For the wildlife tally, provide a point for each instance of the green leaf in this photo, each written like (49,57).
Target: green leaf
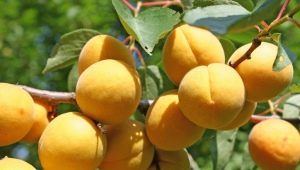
(248,163)
(204,3)
(67,50)
(73,77)
(228,47)
(291,108)
(149,26)
(282,59)
(222,147)
(264,9)
(248,4)
(150,88)
(230,18)
(295,88)
(217,18)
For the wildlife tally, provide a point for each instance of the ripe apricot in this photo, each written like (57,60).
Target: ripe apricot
(274,144)
(165,121)
(128,147)
(171,160)
(14,164)
(71,141)
(211,96)
(261,82)
(16,113)
(103,47)
(40,122)
(187,47)
(108,91)
(243,117)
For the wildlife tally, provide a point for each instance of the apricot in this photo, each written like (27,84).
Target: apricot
(71,141)
(14,164)
(108,91)
(243,117)
(187,47)
(171,160)
(16,113)
(211,96)
(261,82)
(128,147)
(103,47)
(40,123)
(274,144)
(165,121)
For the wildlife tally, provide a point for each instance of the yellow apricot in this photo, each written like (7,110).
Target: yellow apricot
(171,160)
(14,164)
(16,113)
(128,147)
(261,82)
(40,122)
(165,121)
(71,141)
(187,47)
(211,96)
(103,47)
(243,117)
(274,144)
(108,91)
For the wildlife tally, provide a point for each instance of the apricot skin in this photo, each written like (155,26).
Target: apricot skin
(171,160)
(187,47)
(261,82)
(14,164)
(16,113)
(40,123)
(211,96)
(274,144)
(128,147)
(103,47)
(108,91)
(71,141)
(243,117)
(165,121)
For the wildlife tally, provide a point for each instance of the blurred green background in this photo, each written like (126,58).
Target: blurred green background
(30,28)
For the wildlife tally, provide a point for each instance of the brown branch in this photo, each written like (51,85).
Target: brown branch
(258,118)
(51,97)
(293,21)
(282,10)
(255,43)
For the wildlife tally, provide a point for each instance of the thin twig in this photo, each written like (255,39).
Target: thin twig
(293,21)
(255,43)
(140,56)
(259,118)
(264,24)
(294,11)
(131,7)
(282,10)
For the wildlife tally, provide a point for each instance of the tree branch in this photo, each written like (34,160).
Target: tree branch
(51,97)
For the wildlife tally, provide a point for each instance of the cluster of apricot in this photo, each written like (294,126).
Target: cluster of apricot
(210,95)
(217,96)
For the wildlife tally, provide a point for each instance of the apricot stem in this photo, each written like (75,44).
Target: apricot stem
(255,43)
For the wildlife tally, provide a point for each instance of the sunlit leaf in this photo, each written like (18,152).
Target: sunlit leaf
(149,26)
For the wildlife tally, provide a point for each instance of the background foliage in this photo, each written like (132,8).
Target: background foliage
(30,29)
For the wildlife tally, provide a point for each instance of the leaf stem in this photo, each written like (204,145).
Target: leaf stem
(282,10)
